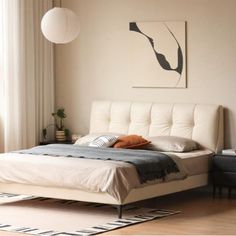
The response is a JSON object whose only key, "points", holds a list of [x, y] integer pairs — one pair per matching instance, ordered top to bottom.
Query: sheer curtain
{"points": [[26, 74]]}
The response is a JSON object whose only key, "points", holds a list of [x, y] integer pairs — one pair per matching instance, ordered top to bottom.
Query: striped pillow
{"points": [[104, 141]]}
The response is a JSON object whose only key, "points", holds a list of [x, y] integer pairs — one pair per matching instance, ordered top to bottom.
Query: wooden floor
{"points": [[200, 214]]}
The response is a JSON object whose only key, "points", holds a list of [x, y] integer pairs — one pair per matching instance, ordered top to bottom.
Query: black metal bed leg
{"points": [[119, 209]]}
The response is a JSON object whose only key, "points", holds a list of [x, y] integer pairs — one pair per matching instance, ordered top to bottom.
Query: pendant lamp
{"points": [[60, 25]]}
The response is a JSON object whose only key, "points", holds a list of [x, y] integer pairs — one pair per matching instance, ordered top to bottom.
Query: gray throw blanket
{"points": [[150, 165]]}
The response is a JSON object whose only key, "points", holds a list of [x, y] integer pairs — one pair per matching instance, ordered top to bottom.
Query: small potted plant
{"points": [[61, 132]]}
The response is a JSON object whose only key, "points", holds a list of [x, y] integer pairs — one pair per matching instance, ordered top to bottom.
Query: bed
{"points": [[200, 122]]}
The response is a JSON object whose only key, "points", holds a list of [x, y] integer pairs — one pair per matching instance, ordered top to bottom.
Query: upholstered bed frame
{"points": [[202, 123]]}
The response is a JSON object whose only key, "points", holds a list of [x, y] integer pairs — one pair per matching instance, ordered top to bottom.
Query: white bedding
{"points": [[196, 162], [113, 177]]}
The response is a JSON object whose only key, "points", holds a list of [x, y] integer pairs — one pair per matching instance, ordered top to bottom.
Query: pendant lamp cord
{"points": [[60, 3]]}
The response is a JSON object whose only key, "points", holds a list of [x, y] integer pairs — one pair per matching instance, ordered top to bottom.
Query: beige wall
{"points": [[97, 66]]}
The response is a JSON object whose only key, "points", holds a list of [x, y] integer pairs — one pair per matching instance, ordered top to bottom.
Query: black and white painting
{"points": [[158, 54]]}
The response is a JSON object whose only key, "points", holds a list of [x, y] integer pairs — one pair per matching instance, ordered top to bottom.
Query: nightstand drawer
{"points": [[224, 163], [225, 178]]}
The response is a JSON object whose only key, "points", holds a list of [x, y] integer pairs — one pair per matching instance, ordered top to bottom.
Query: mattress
{"points": [[196, 162], [112, 177]]}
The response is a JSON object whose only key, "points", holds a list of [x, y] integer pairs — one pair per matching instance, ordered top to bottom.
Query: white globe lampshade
{"points": [[60, 25]]}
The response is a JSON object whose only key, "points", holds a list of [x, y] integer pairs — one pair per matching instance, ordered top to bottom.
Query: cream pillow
{"points": [[87, 139], [172, 144]]}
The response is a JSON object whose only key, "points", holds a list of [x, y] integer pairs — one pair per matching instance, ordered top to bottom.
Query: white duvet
{"points": [[114, 177]]}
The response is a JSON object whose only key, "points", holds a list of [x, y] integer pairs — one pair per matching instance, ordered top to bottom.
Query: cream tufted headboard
{"points": [[202, 123]]}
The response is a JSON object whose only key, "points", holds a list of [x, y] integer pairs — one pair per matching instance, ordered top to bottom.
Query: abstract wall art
{"points": [[158, 55]]}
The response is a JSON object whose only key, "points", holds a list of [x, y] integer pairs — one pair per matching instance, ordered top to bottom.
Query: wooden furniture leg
{"points": [[214, 191], [220, 191], [229, 192]]}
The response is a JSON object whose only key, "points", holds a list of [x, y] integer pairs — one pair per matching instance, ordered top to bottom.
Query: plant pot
{"points": [[60, 136]]}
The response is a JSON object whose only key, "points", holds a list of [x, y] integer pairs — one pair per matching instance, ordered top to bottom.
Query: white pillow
{"points": [[87, 139], [104, 141], [172, 144]]}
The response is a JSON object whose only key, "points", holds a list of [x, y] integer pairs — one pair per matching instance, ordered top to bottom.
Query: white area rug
{"points": [[53, 217]]}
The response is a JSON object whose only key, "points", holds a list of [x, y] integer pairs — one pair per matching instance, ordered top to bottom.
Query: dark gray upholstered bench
{"points": [[224, 173]]}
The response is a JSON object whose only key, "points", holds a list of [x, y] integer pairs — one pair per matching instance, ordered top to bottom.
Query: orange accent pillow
{"points": [[131, 141]]}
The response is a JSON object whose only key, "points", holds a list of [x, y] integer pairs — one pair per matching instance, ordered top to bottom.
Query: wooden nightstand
{"points": [[55, 142], [224, 173]]}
